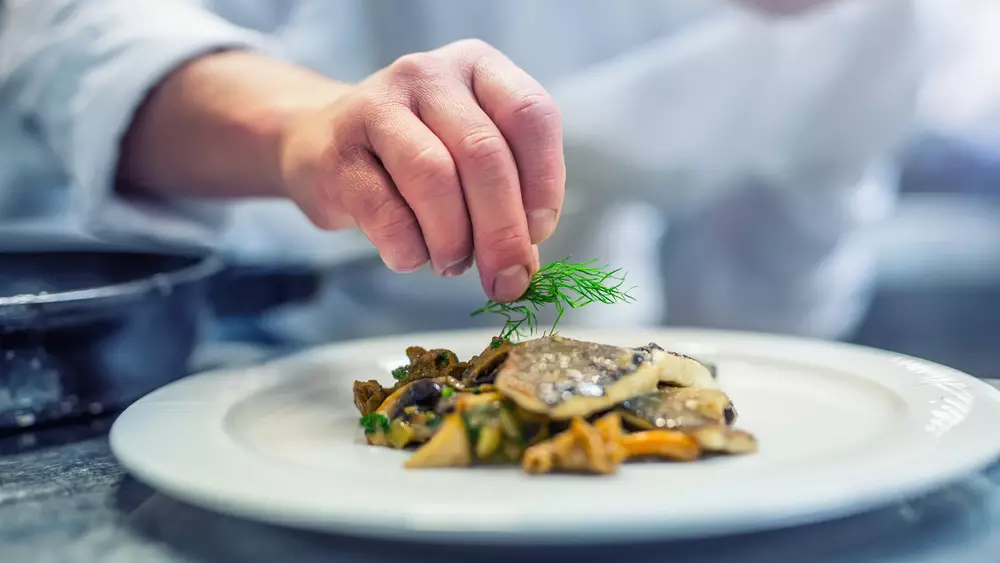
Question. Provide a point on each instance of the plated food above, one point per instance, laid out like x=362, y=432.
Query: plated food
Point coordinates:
x=551, y=404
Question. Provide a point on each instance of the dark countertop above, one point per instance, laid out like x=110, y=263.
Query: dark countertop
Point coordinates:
x=63, y=498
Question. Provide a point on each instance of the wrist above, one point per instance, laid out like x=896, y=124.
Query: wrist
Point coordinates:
x=277, y=127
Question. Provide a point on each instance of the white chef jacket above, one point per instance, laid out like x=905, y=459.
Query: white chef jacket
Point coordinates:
x=756, y=145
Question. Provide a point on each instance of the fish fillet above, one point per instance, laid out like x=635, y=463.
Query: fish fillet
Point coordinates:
x=564, y=378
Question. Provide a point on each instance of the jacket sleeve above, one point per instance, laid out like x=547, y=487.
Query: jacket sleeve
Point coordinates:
x=76, y=71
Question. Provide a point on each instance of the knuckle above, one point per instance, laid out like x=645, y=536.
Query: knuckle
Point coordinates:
x=370, y=108
x=416, y=67
x=507, y=240
x=434, y=170
x=536, y=107
x=483, y=148
x=391, y=220
x=340, y=161
x=350, y=154
x=471, y=55
x=473, y=46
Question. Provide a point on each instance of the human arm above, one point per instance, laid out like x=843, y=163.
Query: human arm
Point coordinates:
x=72, y=73
x=441, y=156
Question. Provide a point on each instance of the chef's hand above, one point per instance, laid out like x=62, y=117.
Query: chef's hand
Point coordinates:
x=448, y=156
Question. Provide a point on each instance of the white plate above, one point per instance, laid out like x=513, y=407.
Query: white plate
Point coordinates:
x=841, y=428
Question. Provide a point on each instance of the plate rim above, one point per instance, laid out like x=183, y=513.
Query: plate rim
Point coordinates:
x=919, y=480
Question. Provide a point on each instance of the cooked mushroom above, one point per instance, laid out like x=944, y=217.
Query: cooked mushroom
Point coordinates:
x=666, y=444
x=368, y=396
x=428, y=364
x=421, y=393
x=482, y=369
x=448, y=448
x=583, y=448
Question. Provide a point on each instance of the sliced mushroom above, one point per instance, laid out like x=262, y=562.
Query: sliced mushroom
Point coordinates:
x=448, y=448
x=482, y=369
x=423, y=393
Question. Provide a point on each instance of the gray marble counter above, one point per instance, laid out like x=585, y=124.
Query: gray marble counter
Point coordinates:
x=64, y=499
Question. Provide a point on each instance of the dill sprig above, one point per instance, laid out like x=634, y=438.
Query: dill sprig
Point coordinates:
x=562, y=284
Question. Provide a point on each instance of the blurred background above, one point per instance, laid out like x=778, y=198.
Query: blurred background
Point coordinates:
x=905, y=115
x=832, y=174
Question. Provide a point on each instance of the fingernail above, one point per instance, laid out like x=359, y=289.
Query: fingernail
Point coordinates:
x=402, y=268
x=541, y=223
x=510, y=283
x=457, y=267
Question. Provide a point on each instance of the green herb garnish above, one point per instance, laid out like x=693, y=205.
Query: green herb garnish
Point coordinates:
x=374, y=421
x=447, y=392
x=401, y=372
x=561, y=284
x=497, y=342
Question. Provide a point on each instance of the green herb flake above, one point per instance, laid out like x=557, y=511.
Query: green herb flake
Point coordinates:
x=373, y=422
x=401, y=372
x=447, y=392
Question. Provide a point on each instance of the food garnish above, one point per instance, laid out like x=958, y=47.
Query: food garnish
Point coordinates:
x=562, y=284
x=373, y=422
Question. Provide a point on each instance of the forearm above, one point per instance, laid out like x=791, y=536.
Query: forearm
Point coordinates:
x=212, y=128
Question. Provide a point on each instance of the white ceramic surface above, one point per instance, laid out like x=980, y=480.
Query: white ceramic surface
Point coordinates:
x=842, y=429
